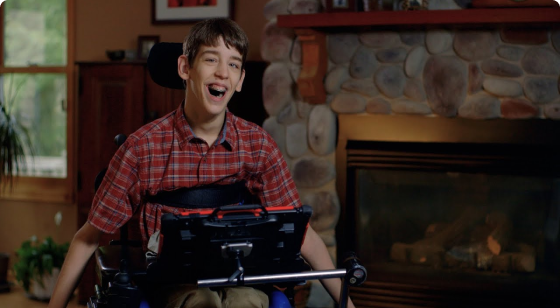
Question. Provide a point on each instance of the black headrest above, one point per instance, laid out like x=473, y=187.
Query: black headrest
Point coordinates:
x=162, y=64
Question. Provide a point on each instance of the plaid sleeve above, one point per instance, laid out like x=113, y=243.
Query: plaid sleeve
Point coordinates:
x=279, y=188
x=119, y=192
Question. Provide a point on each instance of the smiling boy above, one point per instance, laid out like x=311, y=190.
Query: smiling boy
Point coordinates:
x=199, y=144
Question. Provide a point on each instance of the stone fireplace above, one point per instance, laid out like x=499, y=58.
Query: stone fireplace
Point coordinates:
x=485, y=84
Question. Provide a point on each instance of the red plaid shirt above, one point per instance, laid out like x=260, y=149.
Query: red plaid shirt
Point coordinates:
x=166, y=155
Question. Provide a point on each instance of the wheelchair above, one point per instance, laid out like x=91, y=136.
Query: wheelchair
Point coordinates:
x=239, y=245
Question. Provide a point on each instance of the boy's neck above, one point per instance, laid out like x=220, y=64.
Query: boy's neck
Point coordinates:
x=205, y=127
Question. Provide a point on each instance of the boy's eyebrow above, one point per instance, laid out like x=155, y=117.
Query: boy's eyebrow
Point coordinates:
x=214, y=52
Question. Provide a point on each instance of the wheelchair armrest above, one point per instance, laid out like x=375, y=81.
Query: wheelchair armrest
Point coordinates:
x=108, y=260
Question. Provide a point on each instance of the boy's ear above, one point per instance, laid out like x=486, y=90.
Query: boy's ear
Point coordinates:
x=240, y=83
x=183, y=67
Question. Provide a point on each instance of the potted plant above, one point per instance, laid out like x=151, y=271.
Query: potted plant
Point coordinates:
x=38, y=264
x=14, y=141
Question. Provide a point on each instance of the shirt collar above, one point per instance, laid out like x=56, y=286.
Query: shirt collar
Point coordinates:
x=227, y=136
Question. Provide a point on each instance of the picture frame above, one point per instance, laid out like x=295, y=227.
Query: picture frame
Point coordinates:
x=145, y=43
x=333, y=6
x=185, y=11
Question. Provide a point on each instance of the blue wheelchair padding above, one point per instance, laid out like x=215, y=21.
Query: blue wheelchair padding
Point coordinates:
x=277, y=299
x=144, y=304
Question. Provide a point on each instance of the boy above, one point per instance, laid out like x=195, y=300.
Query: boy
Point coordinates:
x=199, y=144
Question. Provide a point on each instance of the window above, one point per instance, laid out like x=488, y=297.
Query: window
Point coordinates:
x=36, y=87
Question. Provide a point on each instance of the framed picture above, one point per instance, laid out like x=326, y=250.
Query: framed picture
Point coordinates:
x=145, y=43
x=340, y=6
x=183, y=11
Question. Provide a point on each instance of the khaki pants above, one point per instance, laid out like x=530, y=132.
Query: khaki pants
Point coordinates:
x=187, y=296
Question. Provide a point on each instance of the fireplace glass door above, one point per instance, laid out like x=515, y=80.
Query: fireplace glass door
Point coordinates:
x=454, y=224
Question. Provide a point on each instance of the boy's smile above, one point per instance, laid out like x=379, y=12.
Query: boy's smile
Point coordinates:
x=212, y=79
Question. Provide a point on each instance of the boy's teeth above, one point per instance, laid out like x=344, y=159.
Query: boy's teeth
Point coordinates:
x=217, y=91
x=217, y=88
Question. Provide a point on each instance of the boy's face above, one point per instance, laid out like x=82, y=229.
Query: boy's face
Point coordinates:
x=213, y=78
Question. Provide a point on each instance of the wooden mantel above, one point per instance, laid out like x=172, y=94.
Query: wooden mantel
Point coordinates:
x=311, y=29
x=330, y=21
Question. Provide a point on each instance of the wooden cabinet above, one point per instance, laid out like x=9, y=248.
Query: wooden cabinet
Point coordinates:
x=114, y=98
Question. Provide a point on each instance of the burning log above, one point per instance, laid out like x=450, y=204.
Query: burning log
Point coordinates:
x=431, y=251
x=475, y=255
x=499, y=238
x=522, y=258
x=435, y=228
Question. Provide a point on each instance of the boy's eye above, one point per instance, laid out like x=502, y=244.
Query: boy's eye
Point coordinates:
x=211, y=60
x=234, y=65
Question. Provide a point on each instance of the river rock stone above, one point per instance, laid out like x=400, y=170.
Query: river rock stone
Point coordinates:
x=513, y=108
x=303, y=109
x=295, y=54
x=363, y=63
x=313, y=172
x=288, y=115
x=362, y=86
x=555, y=38
x=415, y=61
x=445, y=83
x=474, y=45
x=404, y=106
x=541, y=61
x=380, y=39
x=335, y=78
x=326, y=210
x=275, y=7
x=296, y=139
x=476, y=78
x=321, y=132
x=391, y=55
x=276, y=43
x=524, y=36
x=552, y=111
x=502, y=87
x=414, y=90
x=304, y=7
x=390, y=81
x=511, y=53
x=480, y=107
x=378, y=105
x=277, y=83
x=438, y=41
x=276, y=131
x=501, y=68
x=348, y=103
x=342, y=46
x=412, y=38
x=541, y=90
x=295, y=70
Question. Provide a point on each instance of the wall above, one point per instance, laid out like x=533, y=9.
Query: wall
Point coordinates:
x=109, y=24
x=102, y=25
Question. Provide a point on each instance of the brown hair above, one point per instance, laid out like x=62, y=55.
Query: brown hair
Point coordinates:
x=208, y=32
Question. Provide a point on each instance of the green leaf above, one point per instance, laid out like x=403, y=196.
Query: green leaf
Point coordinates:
x=35, y=258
